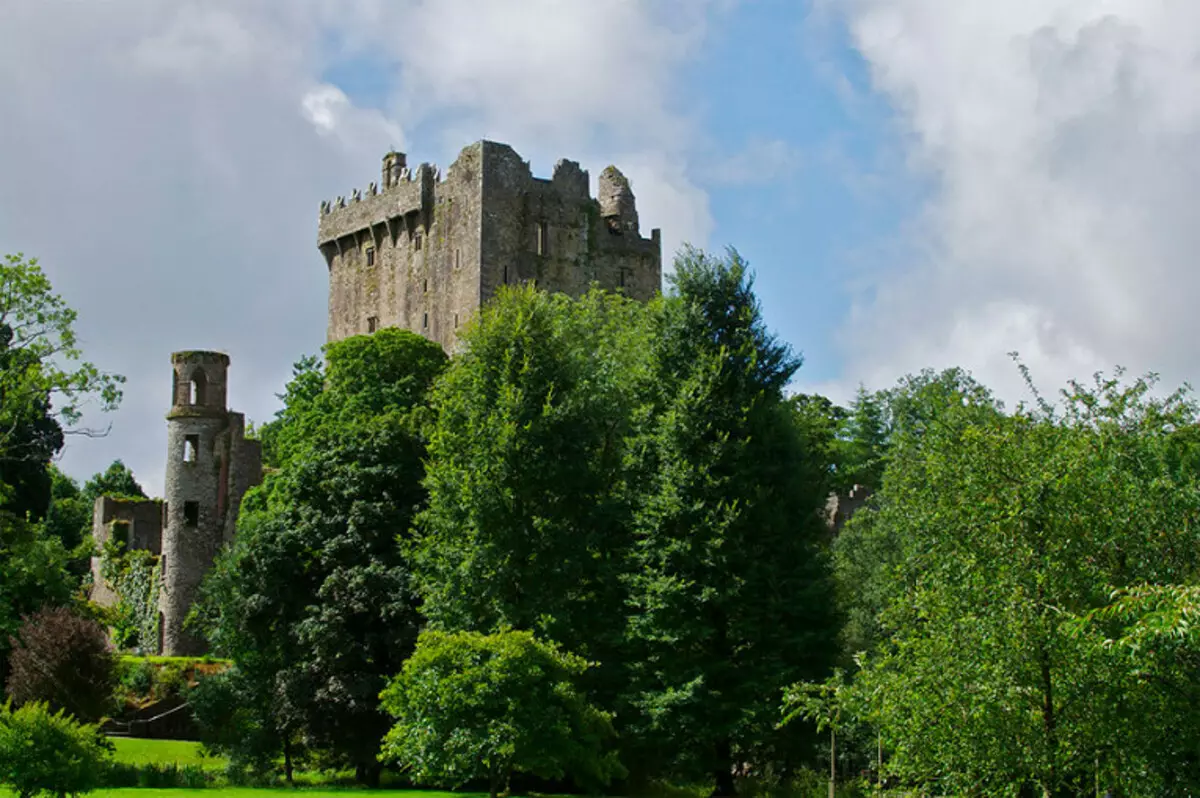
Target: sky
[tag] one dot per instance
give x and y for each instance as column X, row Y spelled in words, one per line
column 916, row 183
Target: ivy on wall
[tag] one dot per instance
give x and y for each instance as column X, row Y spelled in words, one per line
column 135, row 576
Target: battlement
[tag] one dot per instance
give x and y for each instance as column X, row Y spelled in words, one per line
column 423, row 250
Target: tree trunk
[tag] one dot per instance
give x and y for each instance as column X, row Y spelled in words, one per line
column 724, row 768
column 287, row 761
column 832, row 763
column 493, row 781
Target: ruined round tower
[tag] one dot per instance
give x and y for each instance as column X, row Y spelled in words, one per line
column 209, row 466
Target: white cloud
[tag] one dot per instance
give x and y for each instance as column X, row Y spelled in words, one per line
column 759, row 161
column 1061, row 137
column 165, row 159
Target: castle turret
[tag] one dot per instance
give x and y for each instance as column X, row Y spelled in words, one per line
column 617, row 204
column 209, row 467
column 393, row 164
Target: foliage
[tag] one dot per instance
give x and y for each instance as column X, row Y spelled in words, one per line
column 69, row 518
column 528, row 467
column 39, row 329
column 236, row 720
column 729, row 589
column 866, row 560
column 43, row 382
column 1002, row 532
column 62, row 659
column 135, row 578
column 49, row 752
column 313, row 600
column 116, row 481
column 469, row 705
column 286, row 433
column 33, row 573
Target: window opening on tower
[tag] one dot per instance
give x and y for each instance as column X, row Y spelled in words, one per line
column 191, row 448
column 197, row 389
column 191, row 513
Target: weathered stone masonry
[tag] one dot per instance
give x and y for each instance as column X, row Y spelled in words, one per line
column 424, row 252
column 210, row 466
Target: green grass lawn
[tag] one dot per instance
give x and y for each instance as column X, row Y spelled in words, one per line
column 134, row 751
column 271, row 792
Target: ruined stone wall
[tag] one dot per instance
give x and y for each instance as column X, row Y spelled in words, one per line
column 488, row 222
column 553, row 232
column 245, row 471
column 145, row 526
column 841, row 507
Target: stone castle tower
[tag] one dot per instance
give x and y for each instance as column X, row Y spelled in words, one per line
column 424, row 251
column 210, row 466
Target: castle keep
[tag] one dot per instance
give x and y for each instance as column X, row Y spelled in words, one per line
column 424, row 251
column 210, row 466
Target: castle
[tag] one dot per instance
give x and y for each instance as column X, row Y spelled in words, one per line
column 418, row 251
column 210, row 466
column 423, row 251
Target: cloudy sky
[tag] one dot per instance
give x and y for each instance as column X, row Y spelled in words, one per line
column 916, row 182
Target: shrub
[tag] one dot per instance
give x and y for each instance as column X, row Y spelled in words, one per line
column 64, row 660
column 41, row 751
column 170, row 680
column 136, row 677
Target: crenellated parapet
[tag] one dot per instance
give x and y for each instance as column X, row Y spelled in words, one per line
column 421, row 251
column 378, row 210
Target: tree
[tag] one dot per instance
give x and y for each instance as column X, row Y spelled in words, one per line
column 729, row 588
column 49, row 752
column 62, row 659
column 869, row 550
column 1005, row 531
column 33, row 573
column 40, row 364
column 314, row 601
column 69, row 517
column 44, row 384
column 117, row 481
column 530, row 500
column 469, row 705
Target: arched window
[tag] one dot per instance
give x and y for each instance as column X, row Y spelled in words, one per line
column 197, row 388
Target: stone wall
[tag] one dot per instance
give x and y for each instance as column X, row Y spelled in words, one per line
column 145, row 525
column 422, row 252
column 840, row 507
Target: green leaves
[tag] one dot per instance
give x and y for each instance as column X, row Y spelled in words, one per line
column 986, row 566
column 314, row 599
column 469, row 705
column 40, row 352
column 42, row 751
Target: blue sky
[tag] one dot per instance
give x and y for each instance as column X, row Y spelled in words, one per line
column 916, row 183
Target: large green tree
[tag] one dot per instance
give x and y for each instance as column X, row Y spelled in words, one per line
column 730, row 598
column 530, row 494
column 44, row 388
column 44, row 383
column 1003, row 531
column 314, row 600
